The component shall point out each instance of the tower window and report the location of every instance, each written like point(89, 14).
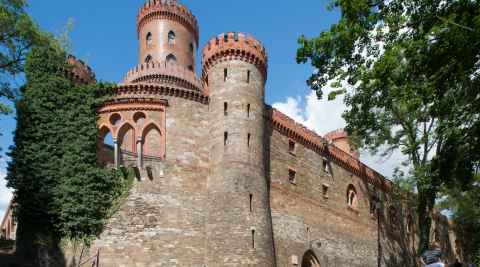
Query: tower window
point(190, 67)
point(291, 147)
point(248, 110)
point(225, 108)
point(148, 39)
point(171, 59)
point(326, 166)
point(248, 76)
point(292, 176)
point(171, 38)
point(148, 59)
point(225, 74)
point(225, 138)
point(253, 238)
point(251, 203)
point(248, 139)
point(351, 197)
point(192, 48)
point(325, 188)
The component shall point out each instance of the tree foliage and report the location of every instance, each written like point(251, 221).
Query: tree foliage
point(18, 33)
point(60, 191)
point(410, 74)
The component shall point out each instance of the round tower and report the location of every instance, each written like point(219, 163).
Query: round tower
point(239, 229)
point(339, 138)
point(167, 33)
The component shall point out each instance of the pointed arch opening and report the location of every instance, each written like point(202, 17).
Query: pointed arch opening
point(352, 196)
point(153, 144)
point(171, 37)
point(310, 260)
point(105, 146)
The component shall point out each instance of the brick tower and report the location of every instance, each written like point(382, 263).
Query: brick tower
point(167, 33)
point(239, 230)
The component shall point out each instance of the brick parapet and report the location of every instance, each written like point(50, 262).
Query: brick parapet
point(337, 134)
point(149, 72)
point(80, 72)
point(231, 46)
point(167, 9)
point(135, 91)
point(311, 140)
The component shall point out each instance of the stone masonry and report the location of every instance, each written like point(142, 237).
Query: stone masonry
point(226, 180)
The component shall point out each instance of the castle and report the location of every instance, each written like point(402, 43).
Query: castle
point(226, 180)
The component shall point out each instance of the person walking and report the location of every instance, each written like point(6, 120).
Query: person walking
point(433, 256)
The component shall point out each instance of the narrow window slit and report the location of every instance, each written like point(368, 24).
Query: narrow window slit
point(225, 138)
point(225, 74)
point(225, 108)
point(253, 238)
point(248, 111)
point(251, 200)
point(248, 76)
point(248, 139)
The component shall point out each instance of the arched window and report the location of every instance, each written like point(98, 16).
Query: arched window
point(148, 59)
point(115, 119)
point(171, 37)
point(149, 39)
point(171, 59)
point(139, 118)
point(352, 196)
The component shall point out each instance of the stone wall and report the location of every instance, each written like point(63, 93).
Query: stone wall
point(162, 222)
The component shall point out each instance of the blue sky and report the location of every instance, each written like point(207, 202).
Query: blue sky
point(104, 36)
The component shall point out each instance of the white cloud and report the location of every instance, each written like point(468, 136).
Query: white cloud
point(324, 116)
point(5, 193)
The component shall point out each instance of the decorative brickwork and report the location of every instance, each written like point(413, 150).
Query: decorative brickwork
point(167, 10)
point(163, 73)
point(80, 73)
point(234, 46)
point(224, 179)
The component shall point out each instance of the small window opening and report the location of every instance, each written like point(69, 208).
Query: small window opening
point(248, 139)
point(251, 203)
point(148, 39)
point(292, 176)
point(248, 76)
point(248, 111)
point(225, 108)
point(192, 48)
point(148, 59)
point(171, 59)
point(291, 147)
point(253, 238)
point(171, 38)
point(325, 188)
point(351, 197)
point(225, 74)
point(326, 167)
point(190, 67)
point(225, 138)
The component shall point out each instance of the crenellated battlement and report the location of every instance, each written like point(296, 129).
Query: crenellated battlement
point(232, 45)
point(155, 71)
point(80, 72)
point(337, 134)
point(167, 9)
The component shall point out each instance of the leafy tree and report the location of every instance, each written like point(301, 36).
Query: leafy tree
point(463, 204)
point(60, 191)
point(411, 69)
point(18, 33)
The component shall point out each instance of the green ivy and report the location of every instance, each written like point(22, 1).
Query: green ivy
point(60, 190)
